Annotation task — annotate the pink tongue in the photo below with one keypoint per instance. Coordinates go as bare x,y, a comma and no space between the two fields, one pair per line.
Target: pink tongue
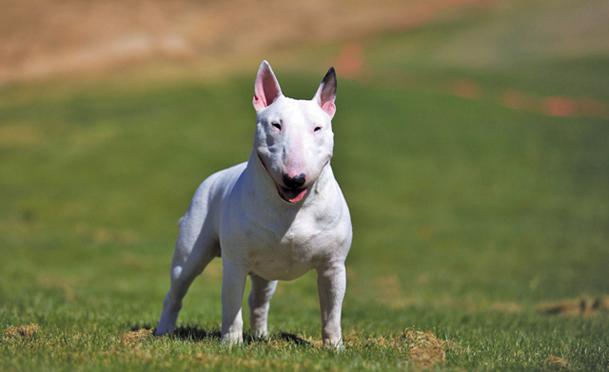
298,197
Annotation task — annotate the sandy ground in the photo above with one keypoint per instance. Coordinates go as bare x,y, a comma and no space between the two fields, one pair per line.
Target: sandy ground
43,38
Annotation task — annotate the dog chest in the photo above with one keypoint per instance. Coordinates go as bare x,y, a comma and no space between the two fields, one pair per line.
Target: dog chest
291,255
286,251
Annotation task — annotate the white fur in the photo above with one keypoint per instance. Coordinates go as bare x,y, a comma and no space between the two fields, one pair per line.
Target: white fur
238,213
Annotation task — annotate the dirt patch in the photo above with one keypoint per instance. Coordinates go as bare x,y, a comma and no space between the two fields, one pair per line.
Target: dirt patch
68,36
204,358
16,135
424,348
559,106
65,285
557,362
552,106
506,307
24,331
350,61
136,336
555,106
576,307
102,235
466,88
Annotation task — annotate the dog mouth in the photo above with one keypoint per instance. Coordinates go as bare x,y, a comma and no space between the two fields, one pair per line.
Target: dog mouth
292,196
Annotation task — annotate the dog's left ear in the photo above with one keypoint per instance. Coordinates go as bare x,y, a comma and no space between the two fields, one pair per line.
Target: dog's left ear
326,93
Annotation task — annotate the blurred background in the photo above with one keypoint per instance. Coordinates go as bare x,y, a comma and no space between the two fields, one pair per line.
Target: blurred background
472,144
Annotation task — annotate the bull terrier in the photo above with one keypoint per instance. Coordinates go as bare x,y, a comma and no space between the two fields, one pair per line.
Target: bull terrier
274,217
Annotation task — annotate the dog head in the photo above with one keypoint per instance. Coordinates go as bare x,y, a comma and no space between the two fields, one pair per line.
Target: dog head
294,138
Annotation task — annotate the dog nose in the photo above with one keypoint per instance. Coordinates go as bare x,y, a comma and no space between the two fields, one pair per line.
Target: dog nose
295,182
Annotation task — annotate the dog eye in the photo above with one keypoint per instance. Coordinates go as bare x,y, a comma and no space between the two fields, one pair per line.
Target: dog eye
317,129
276,125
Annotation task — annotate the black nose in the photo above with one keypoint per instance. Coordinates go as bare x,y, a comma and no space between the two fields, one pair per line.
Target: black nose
294,182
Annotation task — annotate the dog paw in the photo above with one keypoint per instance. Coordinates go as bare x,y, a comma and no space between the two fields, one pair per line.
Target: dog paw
232,338
334,344
162,330
260,334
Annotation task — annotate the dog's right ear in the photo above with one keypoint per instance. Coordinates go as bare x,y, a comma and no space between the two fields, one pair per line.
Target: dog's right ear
266,87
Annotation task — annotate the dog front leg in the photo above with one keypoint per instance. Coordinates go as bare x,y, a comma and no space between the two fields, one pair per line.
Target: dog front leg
259,303
233,284
331,285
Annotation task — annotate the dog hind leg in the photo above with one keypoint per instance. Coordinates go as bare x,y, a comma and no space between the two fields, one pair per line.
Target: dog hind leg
195,248
259,303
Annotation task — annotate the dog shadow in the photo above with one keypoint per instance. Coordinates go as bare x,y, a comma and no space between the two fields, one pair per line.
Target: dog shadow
194,333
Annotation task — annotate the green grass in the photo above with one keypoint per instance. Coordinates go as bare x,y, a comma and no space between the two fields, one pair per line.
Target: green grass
467,216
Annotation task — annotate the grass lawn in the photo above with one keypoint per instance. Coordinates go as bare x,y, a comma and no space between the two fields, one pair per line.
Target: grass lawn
481,231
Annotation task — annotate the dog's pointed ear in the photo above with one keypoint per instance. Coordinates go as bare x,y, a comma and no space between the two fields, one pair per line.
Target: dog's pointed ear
326,93
266,87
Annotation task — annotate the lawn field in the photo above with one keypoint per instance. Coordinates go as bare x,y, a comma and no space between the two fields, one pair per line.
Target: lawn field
479,195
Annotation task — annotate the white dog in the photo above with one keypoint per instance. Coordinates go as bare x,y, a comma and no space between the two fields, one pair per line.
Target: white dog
276,216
